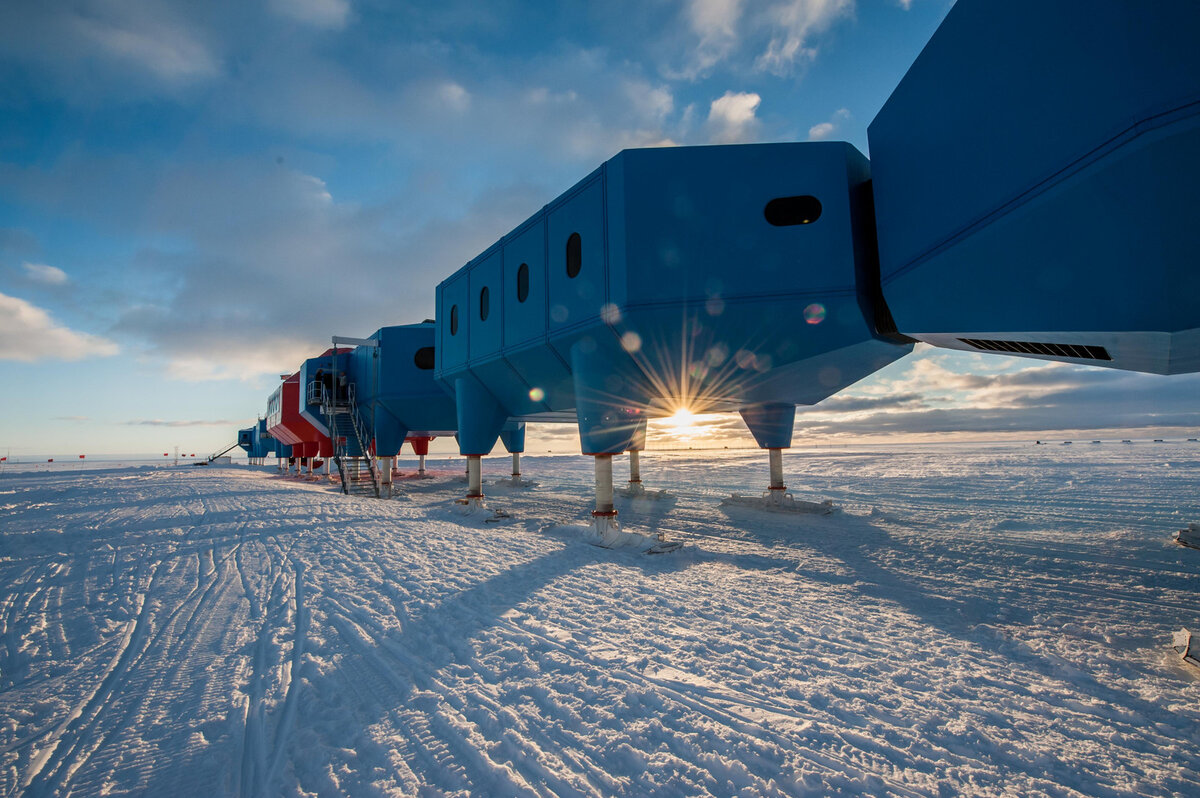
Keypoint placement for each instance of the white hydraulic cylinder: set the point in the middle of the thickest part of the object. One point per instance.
(604, 485)
(474, 477)
(776, 456)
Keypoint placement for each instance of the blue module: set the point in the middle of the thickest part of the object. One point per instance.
(707, 278)
(245, 440)
(397, 395)
(1035, 183)
(264, 444)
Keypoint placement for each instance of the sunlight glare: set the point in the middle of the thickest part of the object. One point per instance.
(682, 418)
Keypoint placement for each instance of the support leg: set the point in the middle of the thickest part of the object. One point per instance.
(776, 490)
(604, 517)
(516, 474)
(421, 465)
(474, 499)
(635, 473)
(385, 471)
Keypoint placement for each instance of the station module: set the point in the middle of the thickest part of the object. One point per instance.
(707, 278)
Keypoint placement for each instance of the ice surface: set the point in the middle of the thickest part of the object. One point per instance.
(984, 621)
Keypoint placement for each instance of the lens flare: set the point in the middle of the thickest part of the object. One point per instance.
(537, 394)
(814, 313)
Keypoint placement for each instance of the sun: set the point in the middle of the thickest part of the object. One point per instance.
(682, 418)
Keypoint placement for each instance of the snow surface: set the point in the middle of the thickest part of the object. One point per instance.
(977, 620)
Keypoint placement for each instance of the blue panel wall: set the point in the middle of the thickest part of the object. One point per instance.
(577, 300)
(1036, 182)
(485, 335)
(525, 321)
(453, 348)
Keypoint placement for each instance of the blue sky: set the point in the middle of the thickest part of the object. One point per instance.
(195, 196)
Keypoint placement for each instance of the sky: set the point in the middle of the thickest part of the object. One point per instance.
(195, 196)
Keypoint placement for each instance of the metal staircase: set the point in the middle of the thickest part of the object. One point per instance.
(355, 465)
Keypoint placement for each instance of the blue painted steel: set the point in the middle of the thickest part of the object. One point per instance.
(263, 444)
(245, 440)
(512, 435)
(684, 295)
(397, 396)
(1035, 180)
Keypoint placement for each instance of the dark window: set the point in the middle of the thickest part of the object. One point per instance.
(423, 359)
(484, 303)
(787, 211)
(574, 254)
(454, 319)
(523, 282)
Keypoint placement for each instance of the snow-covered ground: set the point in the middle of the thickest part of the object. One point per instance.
(978, 620)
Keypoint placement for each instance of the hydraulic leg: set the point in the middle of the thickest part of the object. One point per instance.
(635, 473)
(604, 517)
(474, 499)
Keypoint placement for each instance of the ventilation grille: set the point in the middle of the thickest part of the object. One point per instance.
(1080, 351)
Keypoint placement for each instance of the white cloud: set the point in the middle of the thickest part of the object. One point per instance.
(825, 130)
(649, 102)
(328, 14)
(167, 50)
(715, 23)
(28, 334)
(454, 96)
(46, 275)
(794, 23)
(731, 117)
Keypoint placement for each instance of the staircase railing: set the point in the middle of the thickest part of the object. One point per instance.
(338, 407)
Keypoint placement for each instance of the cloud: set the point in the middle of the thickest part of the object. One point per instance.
(167, 50)
(46, 275)
(327, 14)
(930, 397)
(731, 117)
(795, 23)
(158, 422)
(715, 24)
(28, 334)
(825, 130)
(89, 51)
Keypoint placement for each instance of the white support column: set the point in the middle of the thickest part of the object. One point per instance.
(776, 456)
(421, 465)
(604, 517)
(776, 491)
(516, 474)
(474, 499)
(385, 470)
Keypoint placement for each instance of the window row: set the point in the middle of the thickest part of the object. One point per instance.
(574, 264)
